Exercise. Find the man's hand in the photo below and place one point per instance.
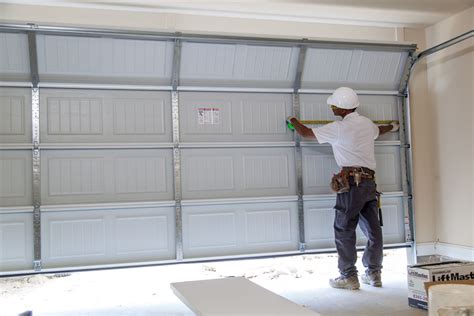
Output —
(290, 119)
(395, 126)
(289, 122)
(294, 124)
(392, 127)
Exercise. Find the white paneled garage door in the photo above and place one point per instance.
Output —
(142, 148)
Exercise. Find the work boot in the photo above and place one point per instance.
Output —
(372, 278)
(348, 283)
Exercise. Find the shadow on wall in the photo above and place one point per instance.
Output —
(450, 57)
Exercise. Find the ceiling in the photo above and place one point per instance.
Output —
(408, 13)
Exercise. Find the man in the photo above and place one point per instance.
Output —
(352, 141)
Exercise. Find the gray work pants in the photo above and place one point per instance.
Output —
(359, 205)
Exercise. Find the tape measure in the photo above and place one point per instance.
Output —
(321, 122)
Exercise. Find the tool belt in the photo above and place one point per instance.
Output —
(340, 181)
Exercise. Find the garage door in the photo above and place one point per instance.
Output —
(126, 149)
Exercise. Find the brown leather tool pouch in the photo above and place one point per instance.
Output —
(340, 182)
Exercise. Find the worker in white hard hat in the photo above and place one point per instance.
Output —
(352, 140)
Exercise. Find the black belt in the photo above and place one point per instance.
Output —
(362, 170)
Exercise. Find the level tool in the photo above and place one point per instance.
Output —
(321, 122)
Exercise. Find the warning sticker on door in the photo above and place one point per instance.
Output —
(208, 116)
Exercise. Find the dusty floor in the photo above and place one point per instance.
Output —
(146, 291)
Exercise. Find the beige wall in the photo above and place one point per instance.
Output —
(169, 22)
(442, 147)
(450, 115)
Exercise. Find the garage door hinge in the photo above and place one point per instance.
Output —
(302, 247)
(37, 265)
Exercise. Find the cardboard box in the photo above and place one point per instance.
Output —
(435, 272)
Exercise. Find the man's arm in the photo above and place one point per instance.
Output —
(392, 127)
(301, 128)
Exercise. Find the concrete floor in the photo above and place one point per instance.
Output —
(146, 291)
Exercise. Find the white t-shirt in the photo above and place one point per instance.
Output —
(352, 140)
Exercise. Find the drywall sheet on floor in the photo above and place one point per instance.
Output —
(234, 296)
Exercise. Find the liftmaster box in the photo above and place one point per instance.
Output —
(434, 272)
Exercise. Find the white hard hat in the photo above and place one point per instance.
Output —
(344, 98)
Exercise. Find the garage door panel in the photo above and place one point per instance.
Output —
(99, 116)
(393, 219)
(112, 163)
(393, 225)
(314, 107)
(90, 176)
(382, 108)
(388, 174)
(375, 107)
(15, 178)
(319, 221)
(89, 237)
(70, 116)
(208, 231)
(145, 234)
(215, 230)
(238, 172)
(14, 57)
(16, 241)
(15, 115)
(206, 116)
(237, 65)
(319, 166)
(367, 70)
(232, 117)
(77, 238)
(104, 60)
